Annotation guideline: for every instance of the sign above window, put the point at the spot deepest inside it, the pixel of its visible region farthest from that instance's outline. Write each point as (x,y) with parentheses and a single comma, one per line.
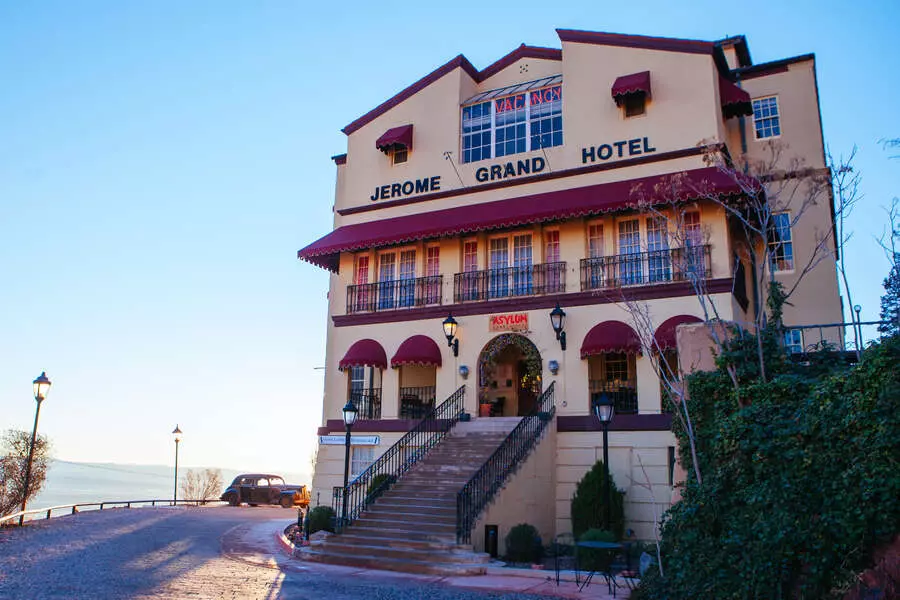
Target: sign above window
(508,322)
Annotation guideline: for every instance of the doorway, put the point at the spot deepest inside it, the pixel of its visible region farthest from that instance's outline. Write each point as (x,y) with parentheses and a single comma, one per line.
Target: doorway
(509,376)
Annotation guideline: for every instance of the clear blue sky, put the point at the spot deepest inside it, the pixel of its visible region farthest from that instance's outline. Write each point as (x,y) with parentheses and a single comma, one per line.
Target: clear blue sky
(161,162)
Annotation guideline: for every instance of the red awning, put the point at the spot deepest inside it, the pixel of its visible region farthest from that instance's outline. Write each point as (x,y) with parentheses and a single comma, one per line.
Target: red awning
(417,350)
(364,353)
(665,333)
(636,83)
(610,336)
(398,136)
(735,101)
(524,210)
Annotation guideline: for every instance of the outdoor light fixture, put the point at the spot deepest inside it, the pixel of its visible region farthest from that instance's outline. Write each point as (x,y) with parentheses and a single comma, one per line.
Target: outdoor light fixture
(350,413)
(605,410)
(553,366)
(463,371)
(41,388)
(176,433)
(558,321)
(450,326)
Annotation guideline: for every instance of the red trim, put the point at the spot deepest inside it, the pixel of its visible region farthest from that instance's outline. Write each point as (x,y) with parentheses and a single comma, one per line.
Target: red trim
(665,333)
(647,292)
(522,51)
(654,422)
(636,41)
(339,159)
(417,350)
(610,336)
(364,353)
(379,426)
(323,431)
(594,168)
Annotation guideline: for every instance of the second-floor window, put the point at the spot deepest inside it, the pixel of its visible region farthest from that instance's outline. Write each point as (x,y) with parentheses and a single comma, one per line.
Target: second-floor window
(512,124)
(432,270)
(781,245)
(630,268)
(766,119)
(659,262)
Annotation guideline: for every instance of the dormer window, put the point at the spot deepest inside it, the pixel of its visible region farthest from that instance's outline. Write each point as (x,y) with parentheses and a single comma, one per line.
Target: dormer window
(396,142)
(632,92)
(399,155)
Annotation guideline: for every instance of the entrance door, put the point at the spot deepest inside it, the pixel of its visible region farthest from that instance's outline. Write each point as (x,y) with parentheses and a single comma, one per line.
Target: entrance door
(509,376)
(525,392)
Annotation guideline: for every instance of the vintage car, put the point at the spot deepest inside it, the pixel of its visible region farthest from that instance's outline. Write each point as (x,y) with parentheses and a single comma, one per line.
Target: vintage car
(258,488)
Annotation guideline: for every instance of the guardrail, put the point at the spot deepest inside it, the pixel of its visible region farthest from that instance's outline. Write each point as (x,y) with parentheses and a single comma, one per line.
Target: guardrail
(74,508)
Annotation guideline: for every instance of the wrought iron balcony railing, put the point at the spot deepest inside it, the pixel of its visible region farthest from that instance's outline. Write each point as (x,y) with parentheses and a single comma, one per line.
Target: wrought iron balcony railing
(416,402)
(508,282)
(367,402)
(624,397)
(394,294)
(646,268)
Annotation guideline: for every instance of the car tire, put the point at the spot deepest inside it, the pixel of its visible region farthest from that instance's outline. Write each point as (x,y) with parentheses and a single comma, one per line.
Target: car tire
(233,500)
(287,502)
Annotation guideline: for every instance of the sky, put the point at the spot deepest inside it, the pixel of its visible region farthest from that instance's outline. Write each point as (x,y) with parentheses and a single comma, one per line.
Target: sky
(162,162)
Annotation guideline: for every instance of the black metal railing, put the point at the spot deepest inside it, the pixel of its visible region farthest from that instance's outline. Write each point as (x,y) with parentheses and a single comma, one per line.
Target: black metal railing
(646,268)
(492,475)
(395,294)
(367,402)
(531,280)
(416,402)
(398,459)
(624,397)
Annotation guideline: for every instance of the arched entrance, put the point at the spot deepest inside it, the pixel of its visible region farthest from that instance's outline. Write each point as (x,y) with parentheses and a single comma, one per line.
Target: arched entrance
(509,376)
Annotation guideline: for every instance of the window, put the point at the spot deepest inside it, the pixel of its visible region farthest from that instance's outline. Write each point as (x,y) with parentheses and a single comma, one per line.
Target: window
(512,124)
(522,260)
(470,256)
(634,104)
(693,234)
(694,266)
(659,262)
(399,155)
(551,246)
(766,120)
(432,271)
(617,368)
(360,459)
(671,465)
(781,247)
(407,278)
(595,240)
(793,341)
(630,252)
(596,265)
(386,275)
(498,261)
(361,278)
(357,383)
(614,374)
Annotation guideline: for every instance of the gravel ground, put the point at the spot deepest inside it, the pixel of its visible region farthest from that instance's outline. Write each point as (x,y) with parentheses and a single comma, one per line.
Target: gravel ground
(192,553)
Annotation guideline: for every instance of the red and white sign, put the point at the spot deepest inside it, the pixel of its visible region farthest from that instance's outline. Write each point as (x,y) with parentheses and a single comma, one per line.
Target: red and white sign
(508,322)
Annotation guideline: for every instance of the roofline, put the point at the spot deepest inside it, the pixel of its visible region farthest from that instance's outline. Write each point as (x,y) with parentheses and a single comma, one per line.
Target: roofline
(340,159)
(603,38)
(771,68)
(460,61)
(740,47)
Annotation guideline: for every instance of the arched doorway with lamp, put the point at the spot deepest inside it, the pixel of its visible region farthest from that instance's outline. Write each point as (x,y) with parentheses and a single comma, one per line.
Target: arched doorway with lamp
(509,376)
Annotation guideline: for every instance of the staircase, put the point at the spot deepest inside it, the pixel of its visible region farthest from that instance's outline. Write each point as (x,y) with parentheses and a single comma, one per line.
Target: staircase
(412,527)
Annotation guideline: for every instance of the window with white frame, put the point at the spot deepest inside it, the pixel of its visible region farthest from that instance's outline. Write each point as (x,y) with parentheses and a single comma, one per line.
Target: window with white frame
(596,265)
(510,273)
(399,155)
(766,120)
(522,261)
(361,279)
(793,341)
(659,262)
(512,124)
(387,273)
(360,459)
(470,265)
(407,286)
(432,271)
(630,268)
(595,240)
(551,246)
(357,379)
(781,245)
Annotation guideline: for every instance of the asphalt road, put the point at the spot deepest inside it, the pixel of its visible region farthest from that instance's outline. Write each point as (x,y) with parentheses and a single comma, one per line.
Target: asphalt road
(191,553)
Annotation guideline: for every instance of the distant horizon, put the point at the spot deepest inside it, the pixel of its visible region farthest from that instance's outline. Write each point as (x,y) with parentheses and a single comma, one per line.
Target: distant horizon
(180,466)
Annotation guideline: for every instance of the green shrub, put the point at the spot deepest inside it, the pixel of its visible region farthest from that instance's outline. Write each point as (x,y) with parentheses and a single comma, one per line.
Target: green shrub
(588,510)
(523,544)
(596,559)
(321,518)
(376,483)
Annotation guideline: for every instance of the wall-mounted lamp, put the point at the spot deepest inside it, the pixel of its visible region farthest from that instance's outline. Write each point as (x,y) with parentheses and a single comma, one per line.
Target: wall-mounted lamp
(558,321)
(450,326)
(553,366)
(463,371)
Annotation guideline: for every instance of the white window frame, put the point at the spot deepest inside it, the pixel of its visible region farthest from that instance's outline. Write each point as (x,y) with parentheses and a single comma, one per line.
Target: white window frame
(789,244)
(552,239)
(776,118)
(398,152)
(361,457)
(791,341)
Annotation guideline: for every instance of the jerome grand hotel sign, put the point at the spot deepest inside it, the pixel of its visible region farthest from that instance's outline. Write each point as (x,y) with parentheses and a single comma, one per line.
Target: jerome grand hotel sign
(512,169)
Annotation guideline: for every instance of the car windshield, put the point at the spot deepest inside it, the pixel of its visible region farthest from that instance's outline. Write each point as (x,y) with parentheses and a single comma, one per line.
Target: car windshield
(276,480)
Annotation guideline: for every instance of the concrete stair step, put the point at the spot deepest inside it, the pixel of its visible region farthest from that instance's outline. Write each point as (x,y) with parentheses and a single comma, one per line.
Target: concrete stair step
(404,553)
(400,511)
(404,516)
(405,531)
(424,525)
(392,564)
(350,537)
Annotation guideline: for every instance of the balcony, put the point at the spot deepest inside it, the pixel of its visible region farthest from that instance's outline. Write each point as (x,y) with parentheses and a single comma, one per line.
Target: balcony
(416,402)
(624,396)
(510,282)
(367,402)
(395,294)
(646,268)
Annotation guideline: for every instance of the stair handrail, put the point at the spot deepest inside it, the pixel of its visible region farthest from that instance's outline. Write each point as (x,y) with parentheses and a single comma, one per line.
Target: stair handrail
(493,474)
(398,459)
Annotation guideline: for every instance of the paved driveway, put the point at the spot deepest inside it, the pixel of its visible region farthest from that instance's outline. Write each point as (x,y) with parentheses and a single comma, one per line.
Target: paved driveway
(191,553)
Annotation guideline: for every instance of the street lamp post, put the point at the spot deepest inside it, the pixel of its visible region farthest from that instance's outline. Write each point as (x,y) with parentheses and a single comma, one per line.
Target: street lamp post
(605,410)
(859,337)
(350,412)
(177,434)
(41,388)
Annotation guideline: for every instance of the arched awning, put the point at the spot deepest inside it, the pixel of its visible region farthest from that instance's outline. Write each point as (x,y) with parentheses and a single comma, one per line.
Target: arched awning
(610,336)
(417,350)
(665,333)
(364,353)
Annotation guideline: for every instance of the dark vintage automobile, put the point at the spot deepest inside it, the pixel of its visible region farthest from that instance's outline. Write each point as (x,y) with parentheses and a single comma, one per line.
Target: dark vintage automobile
(258,488)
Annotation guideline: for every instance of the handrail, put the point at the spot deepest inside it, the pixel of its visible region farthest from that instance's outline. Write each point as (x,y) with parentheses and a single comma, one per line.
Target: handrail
(398,459)
(492,475)
(75,507)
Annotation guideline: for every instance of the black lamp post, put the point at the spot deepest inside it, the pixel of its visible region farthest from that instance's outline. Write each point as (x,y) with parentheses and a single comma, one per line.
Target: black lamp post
(859,344)
(605,410)
(558,321)
(450,326)
(41,388)
(350,413)
(177,434)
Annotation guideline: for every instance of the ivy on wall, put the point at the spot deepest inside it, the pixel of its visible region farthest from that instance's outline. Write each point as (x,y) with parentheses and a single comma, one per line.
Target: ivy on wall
(487,361)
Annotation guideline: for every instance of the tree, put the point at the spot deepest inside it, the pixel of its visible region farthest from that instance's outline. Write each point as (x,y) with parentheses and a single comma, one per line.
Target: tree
(14,446)
(202,485)
(890,302)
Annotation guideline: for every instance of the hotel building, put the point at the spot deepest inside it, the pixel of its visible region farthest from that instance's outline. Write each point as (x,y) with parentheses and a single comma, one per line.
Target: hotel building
(496,195)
